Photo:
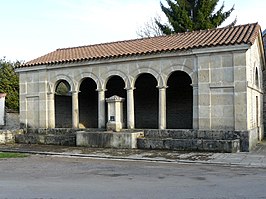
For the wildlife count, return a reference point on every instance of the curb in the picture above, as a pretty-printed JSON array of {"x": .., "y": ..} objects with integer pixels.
[{"x": 159, "y": 160}]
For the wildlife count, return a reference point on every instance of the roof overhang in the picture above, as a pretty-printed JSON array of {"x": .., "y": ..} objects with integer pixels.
[
  {"x": 262, "y": 50},
  {"x": 190, "y": 52}
]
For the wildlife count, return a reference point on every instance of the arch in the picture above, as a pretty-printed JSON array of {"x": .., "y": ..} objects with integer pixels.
[
  {"x": 85, "y": 75},
  {"x": 115, "y": 85},
  {"x": 62, "y": 88},
  {"x": 110, "y": 74},
  {"x": 66, "y": 78},
  {"x": 63, "y": 102},
  {"x": 88, "y": 103},
  {"x": 136, "y": 73},
  {"x": 179, "y": 104},
  {"x": 168, "y": 71},
  {"x": 146, "y": 98}
]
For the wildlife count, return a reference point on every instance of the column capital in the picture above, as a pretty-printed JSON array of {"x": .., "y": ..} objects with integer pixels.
[
  {"x": 130, "y": 88},
  {"x": 162, "y": 87},
  {"x": 101, "y": 90},
  {"x": 194, "y": 85},
  {"x": 74, "y": 92}
]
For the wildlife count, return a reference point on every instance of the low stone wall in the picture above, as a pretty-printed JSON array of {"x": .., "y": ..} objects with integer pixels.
[
  {"x": 192, "y": 134},
  {"x": 56, "y": 136},
  {"x": 8, "y": 136},
  {"x": 206, "y": 140},
  {"x": 226, "y": 146},
  {"x": 173, "y": 139}
]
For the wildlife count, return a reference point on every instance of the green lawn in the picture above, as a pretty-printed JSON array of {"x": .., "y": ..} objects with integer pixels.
[{"x": 12, "y": 155}]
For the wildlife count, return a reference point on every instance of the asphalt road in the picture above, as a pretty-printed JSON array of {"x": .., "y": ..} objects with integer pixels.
[{"x": 61, "y": 177}]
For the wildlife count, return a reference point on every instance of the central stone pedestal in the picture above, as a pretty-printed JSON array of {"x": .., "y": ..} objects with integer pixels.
[
  {"x": 115, "y": 113},
  {"x": 108, "y": 139}
]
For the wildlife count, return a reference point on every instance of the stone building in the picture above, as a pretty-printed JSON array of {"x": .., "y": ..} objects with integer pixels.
[
  {"x": 203, "y": 80},
  {"x": 264, "y": 82}
]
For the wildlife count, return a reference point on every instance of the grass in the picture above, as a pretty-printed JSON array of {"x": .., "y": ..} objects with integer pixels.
[{"x": 12, "y": 155}]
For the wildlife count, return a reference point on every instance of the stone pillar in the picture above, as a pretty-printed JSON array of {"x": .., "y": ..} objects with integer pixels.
[
  {"x": 195, "y": 107},
  {"x": 51, "y": 110},
  {"x": 130, "y": 109},
  {"x": 75, "y": 109},
  {"x": 101, "y": 108},
  {"x": 204, "y": 93},
  {"x": 162, "y": 108}
]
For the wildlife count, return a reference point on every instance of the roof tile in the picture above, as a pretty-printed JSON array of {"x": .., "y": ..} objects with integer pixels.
[{"x": 242, "y": 34}]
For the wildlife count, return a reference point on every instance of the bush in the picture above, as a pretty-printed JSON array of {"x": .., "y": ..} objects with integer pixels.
[{"x": 9, "y": 83}]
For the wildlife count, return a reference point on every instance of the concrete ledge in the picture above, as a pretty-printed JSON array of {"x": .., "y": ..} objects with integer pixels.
[
  {"x": 228, "y": 146},
  {"x": 108, "y": 139}
]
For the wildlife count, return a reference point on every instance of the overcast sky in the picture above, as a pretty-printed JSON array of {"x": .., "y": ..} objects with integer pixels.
[{"x": 32, "y": 28}]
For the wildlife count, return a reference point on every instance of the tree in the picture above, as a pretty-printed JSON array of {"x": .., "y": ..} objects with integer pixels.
[
  {"x": 150, "y": 28},
  {"x": 9, "y": 83},
  {"x": 189, "y": 15}
]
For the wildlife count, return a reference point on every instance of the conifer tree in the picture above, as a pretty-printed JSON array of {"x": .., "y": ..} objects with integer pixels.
[{"x": 189, "y": 15}]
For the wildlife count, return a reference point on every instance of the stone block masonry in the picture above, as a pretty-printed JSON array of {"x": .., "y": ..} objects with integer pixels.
[
  {"x": 64, "y": 136},
  {"x": 8, "y": 136},
  {"x": 196, "y": 140},
  {"x": 188, "y": 140}
]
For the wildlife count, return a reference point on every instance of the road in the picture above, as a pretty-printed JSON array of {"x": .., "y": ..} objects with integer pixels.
[{"x": 62, "y": 177}]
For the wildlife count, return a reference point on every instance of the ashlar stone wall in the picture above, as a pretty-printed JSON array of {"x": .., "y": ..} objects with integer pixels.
[
  {"x": 255, "y": 62},
  {"x": 226, "y": 89}
]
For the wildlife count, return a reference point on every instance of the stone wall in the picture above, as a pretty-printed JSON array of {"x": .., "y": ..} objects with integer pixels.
[
  {"x": 219, "y": 76},
  {"x": 57, "y": 136},
  {"x": 264, "y": 86},
  {"x": 8, "y": 136},
  {"x": 200, "y": 140},
  {"x": 12, "y": 120}
]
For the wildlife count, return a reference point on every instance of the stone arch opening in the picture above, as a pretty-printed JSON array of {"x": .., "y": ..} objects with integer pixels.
[
  {"x": 116, "y": 86},
  {"x": 146, "y": 102},
  {"x": 88, "y": 104},
  {"x": 179, "y": 104},
  {"x": 63, "y": 105}
]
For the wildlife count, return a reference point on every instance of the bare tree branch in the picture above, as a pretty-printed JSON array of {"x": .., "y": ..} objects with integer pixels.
[{"x": 150, "y": 28}]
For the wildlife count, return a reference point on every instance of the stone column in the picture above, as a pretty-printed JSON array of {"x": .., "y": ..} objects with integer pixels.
[
  {"x": 75, "y": 109},
  {"x": 130, "y": 109},
  {"x": 195, "y": 106},
  {"x": 51, "y": 110},
  {"x": 162, "y": 108},
  {"x": 101, "y": 108}
]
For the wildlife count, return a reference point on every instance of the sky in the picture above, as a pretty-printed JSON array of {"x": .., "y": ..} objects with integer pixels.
[{"x": 32, "y": 28}]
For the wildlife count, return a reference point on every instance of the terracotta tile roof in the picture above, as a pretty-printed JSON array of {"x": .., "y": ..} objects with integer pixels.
[{"x": 242, "y": 34}]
